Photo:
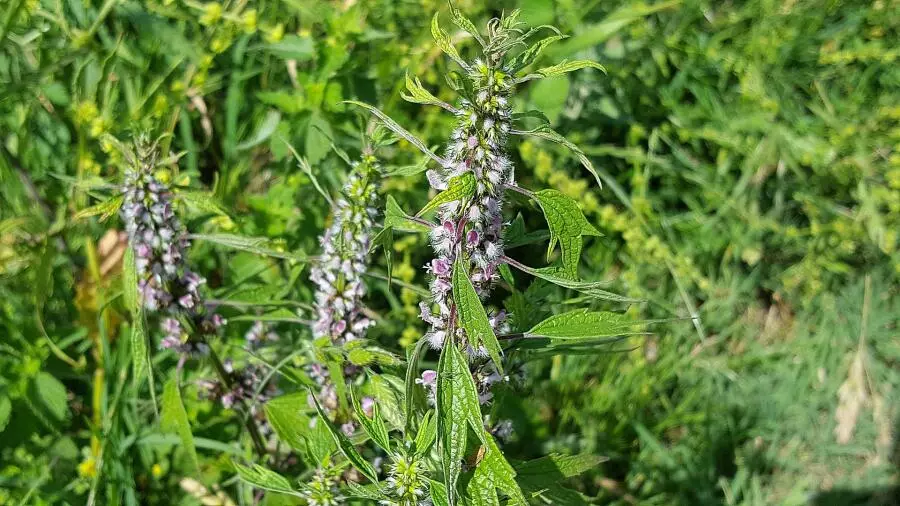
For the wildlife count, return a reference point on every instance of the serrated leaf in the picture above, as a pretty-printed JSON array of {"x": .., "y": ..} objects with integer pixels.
[
  {"x": 528, "y": 56},
  {"x": 581, "y": 324},
  {"x": 494, "y": 472},
  {"x": 139, "y": 350},
  {"x": 560, "y": 69},
  {"x": 285, "y": 415},
  {"x": 265, "y": 479},
  {"x": 256, "y": 245},
  {"x": 547, "y": 133},
  {"x": 417, "y": 94},
  {"x": 463, "y": 22},
  {"x": 396, "y": 218},
  {"x": 457, "y": 408},
  {"x": 472, "y": 315},
  {"x": 357, "y": 491},
  {"x": 202, "y": 201},
  {"x": 443, "y": 41},
  {"x": 399, "y": 130},
  {"x": 174, "y": 418},
  {"x": 130, "y": 282},
  {"x": 458, "y": 188},
  {"x": 105, "y": 209},
  {"x": 427, "y": 434},
  {"x": 567, "y": 224},
  {"x": 438, "y": 493},
  {"x": 345, "y": 445},
  {"x": 360, "y": 356},
  {"x": 374, "y": 427},
  {"x": 546, "y": 471},
  {"x": 265, "y": 130},
  {"x": 591, "y": 288}
]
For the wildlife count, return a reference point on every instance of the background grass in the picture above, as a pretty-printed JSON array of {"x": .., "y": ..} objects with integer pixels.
[{"x": 751, "y": 154}]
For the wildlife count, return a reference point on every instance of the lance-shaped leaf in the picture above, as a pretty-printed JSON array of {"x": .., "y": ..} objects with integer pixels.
[
  {"x": 257, "y": 245},
  {"x": 412, "y": 372},
  {"x": 265, "y": 479},
  {"x": 396, "y": 218},
  {"x": 105, "y": 209},
  {"x": 370, "y": 492},
  {"x": 203, "y": 202},
  {"x": 472, "y": 315},
  {"x": 560, "y": 69},
  {"x": 492, "y": 474},
  {"x": 458, "y": 409},
  {"x": 591, "y": 288},
  {"x": 399, "y": 130},
  {"x": 427, "y": 434},
  {"x": 374, "y": 427},
  {"x": 443, "y": 41},
  {"x": 567, "y": 224},
  {"x": 139, "y": 349},
  {"x": 463, "y": 22},
  {"x": 174, "y": 419},
  {"x": 344, "y": 444},
  {"x": 547, "y": 133},
  {"x": 547, "y": 471},
  {"x": 458, "y": 188},
  {"x": 438, "y": 493},
  {"x": 527, "y": 57},
  {"x": 582, "y": 324},
  {"x": 385, "y": 239},
  {"x": 417, "y": 94}
]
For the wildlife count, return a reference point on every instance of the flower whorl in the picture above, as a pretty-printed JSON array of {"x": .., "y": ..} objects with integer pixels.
[
  {"x": 473, "y": 226},
  {"x": 160, "y": 241},
  {"x": 344, "y": 259}
]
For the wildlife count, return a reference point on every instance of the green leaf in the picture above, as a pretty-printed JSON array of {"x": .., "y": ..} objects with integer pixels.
[
  {"x": 265, "y": 479},
  {"x": 318, "y": 138},
  {"x": 257, "y": 245},
  {"x": 472, "y": 315},
  {"x": 345, "y": 445},
  {"x": 276, "y": 315},
  {"x": 546, "y": 471},
  {"x": 458, "y": 188},
  {"x": 52, "y": 395},
  {"x": 417, "y": 94},
  {"x": 106, "y": 209},
  {"x": 527, "y": 57},
  {"x": 412, "y": 372},
  {"x": 399, "y": 130},
  {"x": 265, "y": 130},
  {"x": 370, "y": 491},
  {"x": 293, "y": 47},
  {"x": 443, "y": 41},
  {"x": 438, "y": 493},
  {"x": 396, "y": 218},
  {"x": 547, "y": 133},
  {"x": 385, "y": 239},
  {"x": 591, "y": 288},
  {"x": 560, "y": 69},
  {"x": 5, "y": 410},
  {"x": 567, "y": 224},
  {"x": 130, "y": 282},
  {"x": 286, "y": 415},
  {"x": 494, "y": 472},
  {"x": 409, "y": 170},
  {"x": 175, "y": 419},
  {"x": 427, "y": 433},
  {"x": 202, "y": 201},
  {"x": 374, "y": 427},
  {"x": 457, "y": 408},
  {"x": 463, "y": 22},
  {"x": 581, "y": 324}
]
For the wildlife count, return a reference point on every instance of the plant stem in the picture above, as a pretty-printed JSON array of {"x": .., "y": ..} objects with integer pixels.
[{"x": 225, "y": 378}]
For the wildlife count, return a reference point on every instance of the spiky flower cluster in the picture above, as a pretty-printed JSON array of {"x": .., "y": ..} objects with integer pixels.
[
  {"x": 473, "y": 227},
  {"x": 344, "y": 259},
  {"x": 322, "y": 490},
  {"x": 407, "y": 481},
  {"x": 159, "y": 241}
]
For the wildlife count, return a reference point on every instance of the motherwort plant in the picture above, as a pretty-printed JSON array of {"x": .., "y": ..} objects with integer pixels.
[{"x": 439, "y": 408}]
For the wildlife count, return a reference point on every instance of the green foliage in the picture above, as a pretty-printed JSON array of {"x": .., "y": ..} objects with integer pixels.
[{"x": 722, "y": 348}]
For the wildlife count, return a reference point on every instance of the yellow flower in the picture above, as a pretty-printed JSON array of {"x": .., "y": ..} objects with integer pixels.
[
  {"x": 87, "y": 468},
  {"x": 212, "y": 13},
  {"x": 275, "y": 34},
  {"x": 86, "y": 112},
  {"x": 249, "y": 20},
  {"x": 156, "y": 471}
]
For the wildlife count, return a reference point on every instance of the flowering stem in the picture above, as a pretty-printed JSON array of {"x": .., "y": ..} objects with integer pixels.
[{"x": 226, "y": 380}]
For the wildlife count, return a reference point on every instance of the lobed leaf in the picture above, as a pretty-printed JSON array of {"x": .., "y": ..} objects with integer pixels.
[
  {"x": 547, "y": 133},
  {"x": 443, "y": 41},
  {"x": 374, "y": 426},
  {"x": 567, "y": 224},
  {"x": 560, "y": 69},
  {"x": 395, "y": 217},
  {"x": 105, "y": 209},
  {"x": 528, "y": 56},
  {"x": 589, "y": 288},
  {"x": 399, "y": 130},
  {"x": 417, "y": 94}
]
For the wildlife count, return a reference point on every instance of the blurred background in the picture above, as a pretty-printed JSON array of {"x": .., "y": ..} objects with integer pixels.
[{"x": 751, "y": 156}]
